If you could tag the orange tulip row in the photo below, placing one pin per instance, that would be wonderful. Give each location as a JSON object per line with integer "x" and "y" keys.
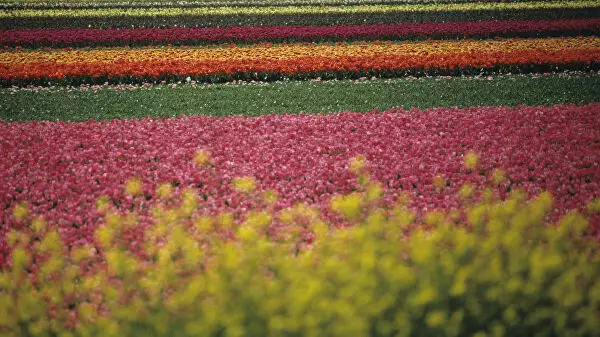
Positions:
{"x": 156, "y": 69}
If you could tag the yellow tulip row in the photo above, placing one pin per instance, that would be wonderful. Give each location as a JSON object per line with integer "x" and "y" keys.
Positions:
{"x": 290, "y": 10}
{"x": 279, "y": 52}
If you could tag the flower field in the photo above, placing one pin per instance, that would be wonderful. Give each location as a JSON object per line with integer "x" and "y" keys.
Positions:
{"x": 299, "y": 168}
{"x": 196, "y": 35}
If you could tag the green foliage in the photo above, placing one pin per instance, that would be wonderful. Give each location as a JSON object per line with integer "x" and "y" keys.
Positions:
{"x": 295, "y": 96}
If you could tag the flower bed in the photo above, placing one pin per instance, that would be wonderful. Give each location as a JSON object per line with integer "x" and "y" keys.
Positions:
{"x": 267, "y": 61}
{"x": 246, "y": 10}
{"x": 60, "y": 169}
{"x": 187, "y": 36}
{"x": 182, "y": 16}
{"x": 480, "y": 221}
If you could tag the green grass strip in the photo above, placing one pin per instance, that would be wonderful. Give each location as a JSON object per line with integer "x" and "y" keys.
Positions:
{"x": 74, "y": 104}
{"x": 355, "y": 9}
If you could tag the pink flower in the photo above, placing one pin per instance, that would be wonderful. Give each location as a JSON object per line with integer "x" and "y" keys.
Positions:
{"x": 61, "y": 169}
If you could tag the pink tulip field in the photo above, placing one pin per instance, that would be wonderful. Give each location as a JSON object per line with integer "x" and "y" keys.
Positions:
{"x": 61, "y": 169}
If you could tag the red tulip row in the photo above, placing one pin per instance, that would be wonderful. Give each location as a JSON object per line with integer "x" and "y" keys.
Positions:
{"x": 75, "y": 36}
{"x": 60, "y": 169}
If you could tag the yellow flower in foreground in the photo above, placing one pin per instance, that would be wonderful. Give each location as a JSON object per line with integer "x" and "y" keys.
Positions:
{"x": 20, "y": 211}
{"x": 202, "y": 158}
{"x": 270, "y": 197}
{"x": 471, "y": 159}
{"x": 244, "y": 184}
{"x": 466, "y": 191}
{"x": 498, "y": 176}
{"x": 38, "y": 225}
{"x": 164, "y": 190}
{"x": 134, "y": 187}
{"x": 357, "y": 164}
{"x": 102, "y": 204}
{"x": 435, "y": 318}
{"x": 374, "y": 192}
{"x": 347, "y": 205}
{"x": 594, "y": 206}
{"x": 439, "y": 182}
{"x": 225, "y": 219}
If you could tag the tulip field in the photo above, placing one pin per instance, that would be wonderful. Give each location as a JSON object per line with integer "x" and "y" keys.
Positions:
{"x": 299, "y": 168}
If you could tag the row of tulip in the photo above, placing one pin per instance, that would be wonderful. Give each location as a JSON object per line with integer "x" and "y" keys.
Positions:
{"x": 351, "y": 60}
{"x": 60, "y": 169}
{"x": 314, "y": 18}
{"x": 463, "y": 64}
{"x": 270, "y": 51}
{"x": 187, "y": 36}
{"x": 294, "y": 10}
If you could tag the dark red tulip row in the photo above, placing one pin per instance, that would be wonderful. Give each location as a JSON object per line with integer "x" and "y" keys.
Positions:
{"x": 60, "y": 169}
{"x": 82, "y": 36}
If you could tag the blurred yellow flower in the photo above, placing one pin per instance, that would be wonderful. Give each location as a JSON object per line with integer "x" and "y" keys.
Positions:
{"x": 202, "y": 158}
{"x": 134, "y": 187}
{"x": 20, "y": 211}
{"x": 471, "y": 159}
{"x": 244, "y": 184}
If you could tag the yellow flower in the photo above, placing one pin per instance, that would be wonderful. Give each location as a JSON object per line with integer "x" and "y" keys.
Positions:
{"x": 435, "y": 319}
{"x": 471, "y": 159}
{"x": 594, "y": 206}
{"x": 113, "y": 220}
{"x": 190, "y": 202}
{"x": 347, "y": 205}
{"x": 203, "y": 223}
{"x": 225, "y": 219}
{"x": 20, "y": 211}
{"x": 86, "y": 311}
{"x": 270, "y": 197}
{"x": 374, "y": 192}
{"x": 434, "y": 218}
{"x": 102, "y": 204}
{"x": 476, "y": 215}
{"x": 134, "y": 187}
{"x": 53, "y": 265}
{"x": 104, "y": 235}
{"x": 51, "y": 242}
{"x": 247, "y": 233}
{"x": 286, "y": 216}
{"x": 439, "y": 182}
{"x": 258, "y": 220}
{"x": 38, "y": 225}
{"x": 20, "y": 258}
{"x": 13, "y": 237}
{"x": 498, "y": 176}
{"x": 357, "y": 164}
{"x": 244, "y": 184}
{"x": 321, "y": 229}
{"x": 164, "y": 190}
{"x": 466, "y": 191}
{"x": 81, "y": 253}
{"x": 202, "y": 158}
